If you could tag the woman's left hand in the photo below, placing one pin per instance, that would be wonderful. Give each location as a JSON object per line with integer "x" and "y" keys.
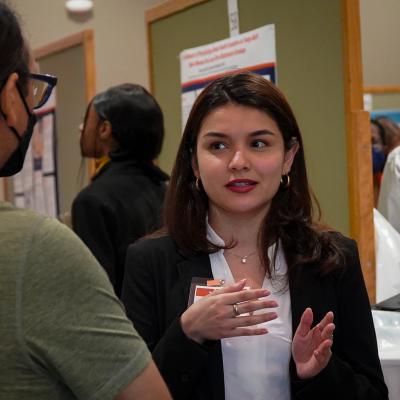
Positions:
{"x": 311, "y": 348}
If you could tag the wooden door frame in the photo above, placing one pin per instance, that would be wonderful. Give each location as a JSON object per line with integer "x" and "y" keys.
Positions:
{"x": 382, "y": 89}
{"x": 84, "y": 38}
{"x": 361, "y": 197}
{"x": 156, "y": 13}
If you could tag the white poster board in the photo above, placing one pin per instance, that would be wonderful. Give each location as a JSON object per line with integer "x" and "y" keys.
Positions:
{"x": 35, "y": 187}
{"x": 251, "y": 51}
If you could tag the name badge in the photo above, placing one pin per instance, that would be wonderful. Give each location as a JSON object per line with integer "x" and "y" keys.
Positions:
{"x": 201, "y": 287}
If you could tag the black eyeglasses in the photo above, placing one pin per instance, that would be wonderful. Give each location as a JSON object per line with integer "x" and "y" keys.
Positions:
{"x": 42, "y": 88}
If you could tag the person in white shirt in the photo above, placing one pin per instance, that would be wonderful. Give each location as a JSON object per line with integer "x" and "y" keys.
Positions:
{"x": 291, "y": 318}
{"x": 389, "y": 195}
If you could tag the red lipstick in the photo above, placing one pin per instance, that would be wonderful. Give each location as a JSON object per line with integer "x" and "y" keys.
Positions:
{"x": 241, "y": 185}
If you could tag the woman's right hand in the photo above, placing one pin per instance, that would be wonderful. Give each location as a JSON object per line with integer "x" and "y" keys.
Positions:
{"x": 214, "y": 317}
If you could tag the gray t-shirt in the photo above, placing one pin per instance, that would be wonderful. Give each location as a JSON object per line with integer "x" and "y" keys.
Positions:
{"x": 63, "y": 333}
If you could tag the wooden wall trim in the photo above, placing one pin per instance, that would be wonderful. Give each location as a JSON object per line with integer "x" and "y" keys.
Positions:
{"x": 84, "y": 38}
{"x": 60, "y": 45}
{"x": 169, "y": 7}
{"x": 90, "y": 64}
{"x": 90, "y": 78}
{"x": 382, "y": 89}
{"x": 358, "y": 146}
{"x": 150, "y": 57}
{"x": 156, "y": 13}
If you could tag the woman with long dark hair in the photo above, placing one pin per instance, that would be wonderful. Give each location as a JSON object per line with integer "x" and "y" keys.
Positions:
{"x": 291, "y": 318}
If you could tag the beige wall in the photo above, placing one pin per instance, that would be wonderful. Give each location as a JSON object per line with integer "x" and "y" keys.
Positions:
{"x": 380, "y": 32}
{"x": 119, "y": 29}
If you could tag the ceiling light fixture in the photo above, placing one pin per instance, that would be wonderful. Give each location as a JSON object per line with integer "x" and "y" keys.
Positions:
{"x": 79, "y": 6}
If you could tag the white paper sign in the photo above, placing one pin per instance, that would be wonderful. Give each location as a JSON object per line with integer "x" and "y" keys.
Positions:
{"x": 251, "y": 51}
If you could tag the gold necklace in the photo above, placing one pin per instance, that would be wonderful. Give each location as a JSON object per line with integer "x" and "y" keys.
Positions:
{"x": 243, "y": 259}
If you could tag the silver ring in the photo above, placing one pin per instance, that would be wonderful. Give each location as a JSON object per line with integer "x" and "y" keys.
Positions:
{"x": 235, "y": 310}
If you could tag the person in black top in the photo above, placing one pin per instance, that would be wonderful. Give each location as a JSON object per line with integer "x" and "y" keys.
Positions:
{"x": 124, "y": 200}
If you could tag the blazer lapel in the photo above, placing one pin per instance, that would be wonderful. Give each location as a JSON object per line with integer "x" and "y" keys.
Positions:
{"x": 199, "y": 266}
{"x": 300, "y": 294}
{"x": 195, "y": 266}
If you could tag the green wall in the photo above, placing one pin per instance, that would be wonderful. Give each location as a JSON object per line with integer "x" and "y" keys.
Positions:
{"x": 193, "y": 27}
{"x": 310, "y": 73}
{"x": 386, "y": 101}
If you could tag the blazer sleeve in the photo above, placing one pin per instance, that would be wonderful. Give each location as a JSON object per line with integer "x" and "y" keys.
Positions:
{"x": 154, "y": 305}
{"x": 94, "y": 223}
{"x": 354, "y": 371}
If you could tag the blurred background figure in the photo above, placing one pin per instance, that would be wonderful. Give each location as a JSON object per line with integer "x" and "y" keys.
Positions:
{"x": 391, "y": 133}
{"x": 378, "y": 155}
{"x": 389, "y": 195}
{"x": 387, "y": 246}
{"x": 93, "y": 146}
{"x": 124, "y": 200}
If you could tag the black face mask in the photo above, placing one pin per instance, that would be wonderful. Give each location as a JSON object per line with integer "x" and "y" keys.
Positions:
{"x": 16, "y": 161}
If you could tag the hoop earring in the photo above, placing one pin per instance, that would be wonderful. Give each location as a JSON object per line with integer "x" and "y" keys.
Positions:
{"x": 197, "y": 184}
{"x": 285, "y": 181}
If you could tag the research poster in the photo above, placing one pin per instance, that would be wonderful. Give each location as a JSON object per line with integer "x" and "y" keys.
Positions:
{"x": 251, "y": 51}
{"x": 35, "y": 187}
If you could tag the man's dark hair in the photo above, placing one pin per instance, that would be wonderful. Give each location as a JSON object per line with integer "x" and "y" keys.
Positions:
{"x": 14, "y": 53}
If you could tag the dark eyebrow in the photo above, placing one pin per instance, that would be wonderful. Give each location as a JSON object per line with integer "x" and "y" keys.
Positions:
{"x": 252, "y": 134}
{"x": 215, "y": 134}
{"x": 262, "y": 132}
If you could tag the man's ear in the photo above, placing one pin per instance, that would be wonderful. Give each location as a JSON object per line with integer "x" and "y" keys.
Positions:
{"x": 289, "y": 157}
{"x": 8, "y": 100}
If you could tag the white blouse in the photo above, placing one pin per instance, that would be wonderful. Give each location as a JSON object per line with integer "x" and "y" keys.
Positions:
{"x": 257, "y": 367}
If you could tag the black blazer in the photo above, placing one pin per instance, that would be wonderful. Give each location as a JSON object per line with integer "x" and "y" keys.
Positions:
{"x": 122, "y": 204}
{"x": 155, "y": 293}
